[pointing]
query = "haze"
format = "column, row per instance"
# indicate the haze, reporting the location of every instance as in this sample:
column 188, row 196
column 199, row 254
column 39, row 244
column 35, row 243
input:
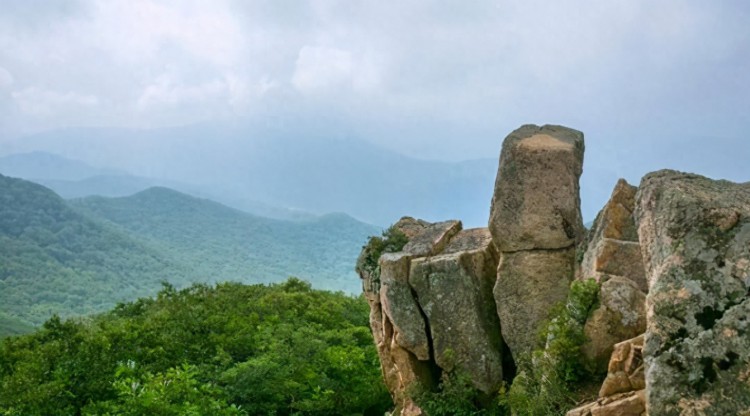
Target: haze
column 651, row 84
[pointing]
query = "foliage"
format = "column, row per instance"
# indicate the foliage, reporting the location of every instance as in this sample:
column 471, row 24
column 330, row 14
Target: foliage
column 391, row 241
column 455, row 396
column 219, row 243
column 227, row 350
column 547, row 381
column 56, row 260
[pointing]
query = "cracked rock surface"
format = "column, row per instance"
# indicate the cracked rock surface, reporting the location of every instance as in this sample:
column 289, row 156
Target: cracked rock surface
column 696, row 238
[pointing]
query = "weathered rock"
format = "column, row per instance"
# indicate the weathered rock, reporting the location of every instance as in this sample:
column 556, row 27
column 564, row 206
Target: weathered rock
column 455, row 293
column 433, row 239
column 612, row 247
column 399, row 305
column 434, row 310
column 621, row 315
column 536, row 204
column 625, row 371
column 622, row 392
column 623, row 404
column 528, row 284
column 696, row 238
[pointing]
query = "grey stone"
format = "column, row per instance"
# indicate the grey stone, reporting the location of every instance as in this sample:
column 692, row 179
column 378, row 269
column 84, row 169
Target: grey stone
column 536, row 203
column 529, row 284
column 696, row 238
column 455, row 293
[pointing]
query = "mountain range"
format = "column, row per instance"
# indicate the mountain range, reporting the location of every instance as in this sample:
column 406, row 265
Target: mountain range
column 248, row 167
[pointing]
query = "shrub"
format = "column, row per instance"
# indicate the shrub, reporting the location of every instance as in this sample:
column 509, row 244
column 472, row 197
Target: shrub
column 548, row 379
column 391, row 241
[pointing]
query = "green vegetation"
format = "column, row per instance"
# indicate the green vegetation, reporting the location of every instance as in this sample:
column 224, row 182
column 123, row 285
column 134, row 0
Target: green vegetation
column 392, row 241
column 551, row 381
column 231, row 349
column 81, row 257
column 56, row 260
column 218, row 243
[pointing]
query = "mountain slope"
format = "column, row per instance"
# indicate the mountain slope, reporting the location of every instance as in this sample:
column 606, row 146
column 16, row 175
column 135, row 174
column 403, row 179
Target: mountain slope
column 56, row 260
column 221, row 243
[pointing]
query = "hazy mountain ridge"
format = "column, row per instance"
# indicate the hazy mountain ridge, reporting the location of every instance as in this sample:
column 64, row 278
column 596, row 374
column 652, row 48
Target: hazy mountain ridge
column 74, row 179
column 269, row 165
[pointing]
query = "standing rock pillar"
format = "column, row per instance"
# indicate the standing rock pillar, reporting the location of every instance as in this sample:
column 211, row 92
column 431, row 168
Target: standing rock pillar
column 535, row 221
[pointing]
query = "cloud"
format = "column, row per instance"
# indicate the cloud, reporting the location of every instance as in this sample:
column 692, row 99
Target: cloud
column 41, row 102
column 438, row 79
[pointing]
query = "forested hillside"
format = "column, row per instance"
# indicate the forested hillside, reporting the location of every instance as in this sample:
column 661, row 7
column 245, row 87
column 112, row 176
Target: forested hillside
column 56, row 260
column 58, row 257
column 232, row 349
column 220, row 243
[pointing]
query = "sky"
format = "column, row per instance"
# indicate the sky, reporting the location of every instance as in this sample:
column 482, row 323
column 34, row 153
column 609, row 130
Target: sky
column 649, row 83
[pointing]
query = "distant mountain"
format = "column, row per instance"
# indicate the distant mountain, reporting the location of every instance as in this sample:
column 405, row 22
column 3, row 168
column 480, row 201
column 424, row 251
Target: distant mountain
column 82, row 256
column 37, row 165
column 57, row 260
column 221, row 243
column 271, row 165
column 74, row 179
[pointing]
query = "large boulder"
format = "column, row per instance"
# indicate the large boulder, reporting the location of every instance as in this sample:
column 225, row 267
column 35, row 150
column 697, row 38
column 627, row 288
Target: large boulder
column 529, row 284
column 621, row 315
column 454, row 290
column 535, row 221
column 536, row 203
column 696, row 238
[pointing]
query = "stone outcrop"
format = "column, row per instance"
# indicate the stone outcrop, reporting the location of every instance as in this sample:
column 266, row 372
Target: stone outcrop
column 454, row 290
column 535, row 221
column 612, row 247
column 536, row 204
column 433, row 310
column 612, row 256
column 529, row 284
column 696, row 238
column 622, row 393
column 672, row 257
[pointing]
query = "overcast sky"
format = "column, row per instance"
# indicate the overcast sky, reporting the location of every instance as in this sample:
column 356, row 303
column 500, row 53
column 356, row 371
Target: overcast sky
column 439, row 79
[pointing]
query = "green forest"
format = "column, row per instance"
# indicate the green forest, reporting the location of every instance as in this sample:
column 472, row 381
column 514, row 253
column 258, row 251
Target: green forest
column 228, row 349
column 74, row 258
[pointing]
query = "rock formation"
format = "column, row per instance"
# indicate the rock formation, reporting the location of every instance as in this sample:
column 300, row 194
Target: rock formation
column 535, row 220
column 622, row 393
column 612, row 256
column 695, row 234
column 432, row 309
column 612, row 247
column 672, row 257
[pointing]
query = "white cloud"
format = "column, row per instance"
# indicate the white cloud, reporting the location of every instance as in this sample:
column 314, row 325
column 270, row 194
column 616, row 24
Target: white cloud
column 427, row 68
